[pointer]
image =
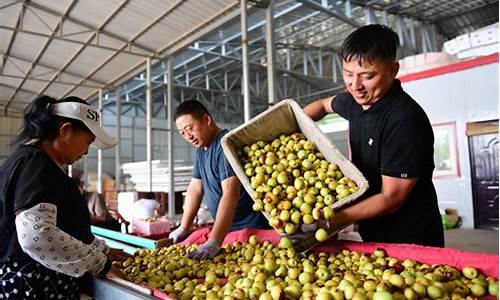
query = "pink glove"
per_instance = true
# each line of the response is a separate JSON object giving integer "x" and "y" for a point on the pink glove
{"x": 206, "y": 251}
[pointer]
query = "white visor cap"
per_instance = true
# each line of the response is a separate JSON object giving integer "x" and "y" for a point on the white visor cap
{"x": 89, "y": 116}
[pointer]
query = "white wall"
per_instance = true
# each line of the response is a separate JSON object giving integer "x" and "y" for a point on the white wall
{"x": 465, "y": 96}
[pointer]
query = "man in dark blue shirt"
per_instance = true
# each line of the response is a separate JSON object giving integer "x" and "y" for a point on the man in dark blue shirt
{"x": 214, "y": 180}
{"x": 391, "y": 141}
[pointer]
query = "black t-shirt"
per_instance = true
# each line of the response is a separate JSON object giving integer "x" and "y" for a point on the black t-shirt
{"x": 394, "y": 138}
{"x": 29, "y": 177}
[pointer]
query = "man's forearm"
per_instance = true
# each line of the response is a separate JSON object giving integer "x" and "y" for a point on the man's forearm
{"x": 224, "y": 218}
{"x": 394, "y": 193}
{"x": 317, "y": 109}
{"x": 190, "y": 210}
{"x": 372, "y": 207}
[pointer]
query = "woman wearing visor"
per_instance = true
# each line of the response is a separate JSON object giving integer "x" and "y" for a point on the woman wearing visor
{"x": 45, "y": 237}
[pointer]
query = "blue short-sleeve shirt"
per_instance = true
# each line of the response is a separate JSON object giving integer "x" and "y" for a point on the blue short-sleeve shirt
{"x": 212, "y": 167}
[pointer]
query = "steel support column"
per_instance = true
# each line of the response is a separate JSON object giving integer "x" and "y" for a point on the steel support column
{"x": 271, "y": 55}
{"x": 369, "y": 16}
{"x": 85, "y": 172}
{"x": 304, "y": 62}
{"x": 348, "y": 9}
{"x": 170, "y": 138}
{"x": 118, "y": 126}
{"x": 244, "y": 54}
{"x": 384, "y": 18}
{"x": 424, "y": 41}
{"x": 148, "y": 124}
{"x": 413, "y": 40}
{"x": 99, "y": 151}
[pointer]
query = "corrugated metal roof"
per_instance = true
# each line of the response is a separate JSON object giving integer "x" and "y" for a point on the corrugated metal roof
{"x": 468, "y": 21}
{"x": 74, "y": 47}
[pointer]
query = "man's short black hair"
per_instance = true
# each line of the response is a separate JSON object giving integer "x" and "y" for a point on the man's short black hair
{"x": 191, "y": 107}
{"x": 369, "y": 43}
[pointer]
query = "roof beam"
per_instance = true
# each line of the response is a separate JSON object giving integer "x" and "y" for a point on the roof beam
{"x": 15, "y": 87}
{"x": 47, "y": 80}
{"x": 136, "y": 36}
{"x": 332, "y": 13}
{"x": 157, "y": 92}
{"x": 87, "y": 43}
{"x": 303, "y": 30}
{"x": 253, "y": 42}
{"x": 10, "y": 4}
{"x": 415, "y": 4}
{"x": 402, "y": 26}
{"x": 475, "y": 10}
{"x": 12, "y": 111}
{"x": 308, "y": 78}
{"x": 42, "y": 51}
{"x": 450, "y": 3}
{"x": 390, "y": 9}
{"x": 238, "y": 35}
{"x": 55, "y": 37}
{"x": 279, "y": 37}
{"x": 47, "y": 26}
{"x": 91, "y": 27}
{"x": 53, "y": 68}
{"x": 182, "y": 42}
{"x": 311, "y": 80}
{"x": 13, "y": 37}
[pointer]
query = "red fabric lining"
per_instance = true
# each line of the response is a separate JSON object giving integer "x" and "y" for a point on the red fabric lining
{"x": 486, "y": 263}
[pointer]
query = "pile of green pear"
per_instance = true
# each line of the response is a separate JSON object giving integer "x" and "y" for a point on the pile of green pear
{"x": 293, "y": 183}
{"x": 260, "y": 270}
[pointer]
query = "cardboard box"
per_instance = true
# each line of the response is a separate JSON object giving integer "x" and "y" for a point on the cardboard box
{"x": 287, "y": 117}
{"x": 484, "y": 36}
{"x": 463, "y": 42}
{"x": 451, "y": 46}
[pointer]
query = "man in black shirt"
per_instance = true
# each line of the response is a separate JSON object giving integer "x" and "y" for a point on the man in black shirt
{"x": 391, "y": 141}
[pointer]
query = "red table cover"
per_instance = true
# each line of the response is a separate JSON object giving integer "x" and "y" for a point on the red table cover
{"x": 486, "y": 263}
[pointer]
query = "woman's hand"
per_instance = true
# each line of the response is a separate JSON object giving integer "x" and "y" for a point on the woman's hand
{"x": 117, "y": 255}
{"x": 115, "y": 272}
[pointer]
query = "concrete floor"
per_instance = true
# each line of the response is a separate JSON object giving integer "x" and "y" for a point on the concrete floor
{"x": 473, "y": 240}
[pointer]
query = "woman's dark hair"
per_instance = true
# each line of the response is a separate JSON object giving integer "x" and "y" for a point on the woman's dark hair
{"x": 369, "y": 43}
{"x": 191, "y": 107}
{"x": 40, "y": 124}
